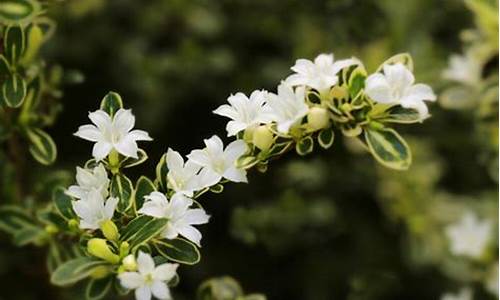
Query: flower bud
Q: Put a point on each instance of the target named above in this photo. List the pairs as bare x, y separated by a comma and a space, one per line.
109, 230
99, 248
262, 138
124, 248
318, 118
100, 272
338, 92
51, 229
129, 263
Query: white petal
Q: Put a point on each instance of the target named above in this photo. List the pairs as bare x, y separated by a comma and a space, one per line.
109, 207
378, 89
143, 293
302, 66
175, 162
214, 145
131, 280
226, 111
196, 216
165, 272
140, 135
398, 76
170, 231
101, 119
233, 127
145, 263
127, 147
76, 192
191, 233
89, 133
343, 63
420, 106
160, 290
123, 121
153, 209
236, 175
101, 150
422, 92
206, 178
296, 79
199, 157
235, 150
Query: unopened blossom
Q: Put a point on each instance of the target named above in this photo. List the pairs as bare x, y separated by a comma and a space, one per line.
93, 210
463, 68
397, 86
470, 236
219, 162
463, 294
321, 74
244, 112
88, 180
186, 177
180, 216
149, 280
112, 133
288, 107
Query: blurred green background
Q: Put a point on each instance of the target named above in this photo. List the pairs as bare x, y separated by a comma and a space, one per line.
333, 225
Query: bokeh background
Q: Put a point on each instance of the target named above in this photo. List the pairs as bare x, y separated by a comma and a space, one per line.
333, 225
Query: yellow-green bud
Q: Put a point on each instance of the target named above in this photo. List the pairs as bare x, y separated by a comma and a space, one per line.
35, 39
248, 134
129, 263
99, 248
263, 138
109, 230
51, 229
124, 248
114, 161
73, 225
318, 118
100, 272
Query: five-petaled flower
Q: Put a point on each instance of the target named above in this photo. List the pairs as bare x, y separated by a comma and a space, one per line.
219, 162
180, 216
396, 86
88, 180
470, 236
245, 112
93, 210
187, 177
149, 280
321, 74
112, 133
288, 107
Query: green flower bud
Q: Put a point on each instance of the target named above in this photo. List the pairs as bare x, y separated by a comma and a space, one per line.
51, 229
109, 230
318, 118
263, 138
99, 248
129, 263
248, 134
124, 248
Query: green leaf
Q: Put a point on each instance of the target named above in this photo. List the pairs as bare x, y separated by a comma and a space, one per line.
30, 234
128, 162
98, 288
4, 67
142, 229
351, 130
305, 146
42, 147
399, 114
217, 189
403, 58
34, 40
14, 219
388, 148
63, 204
14, 90
326, 138
219, 288
121, 187
279, 148
143, 187
75, 270
161, 173
357, 81
18, 11
13, 43
178, 250
111, 103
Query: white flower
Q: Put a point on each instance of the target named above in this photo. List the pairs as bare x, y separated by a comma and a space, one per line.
109, 134
287, 107
244, 112
469, 236
219, 162
396, 86
463, 68
320, 75
188, 177
464, 294
93, 210
177, 211
88, 180
491, 283
149, 279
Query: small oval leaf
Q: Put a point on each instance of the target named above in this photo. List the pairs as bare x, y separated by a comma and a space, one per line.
14, 90
74, 270
42, 147
121, 187
305, 146
111, 103
388, 148
178, 250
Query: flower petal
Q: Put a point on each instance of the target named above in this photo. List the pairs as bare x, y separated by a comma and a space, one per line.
101, 150
191, 233
127, 147
123, 121
196, 216
160, 290
89, 133
131, 280
235, 175
143, 293
145, 263
165, 272
101, 119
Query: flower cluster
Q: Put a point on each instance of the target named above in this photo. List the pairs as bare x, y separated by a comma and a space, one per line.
140, 232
